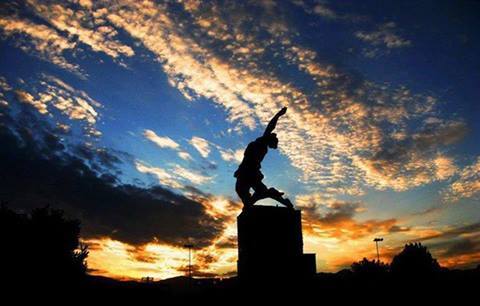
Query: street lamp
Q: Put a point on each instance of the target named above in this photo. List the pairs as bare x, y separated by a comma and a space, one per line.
377, 240
189, 247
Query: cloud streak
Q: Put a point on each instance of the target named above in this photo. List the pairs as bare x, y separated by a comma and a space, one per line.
201, 145
161, 141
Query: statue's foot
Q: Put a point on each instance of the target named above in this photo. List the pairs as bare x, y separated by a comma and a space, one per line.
275, 193
288, 203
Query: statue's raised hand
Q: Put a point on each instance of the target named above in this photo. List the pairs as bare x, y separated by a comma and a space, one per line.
283, 111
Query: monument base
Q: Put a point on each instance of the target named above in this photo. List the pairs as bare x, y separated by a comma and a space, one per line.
270, 244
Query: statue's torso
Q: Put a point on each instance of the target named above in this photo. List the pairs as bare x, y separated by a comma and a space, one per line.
253, 157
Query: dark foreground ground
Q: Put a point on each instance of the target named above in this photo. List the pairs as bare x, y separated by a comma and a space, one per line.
461, 287
454, 287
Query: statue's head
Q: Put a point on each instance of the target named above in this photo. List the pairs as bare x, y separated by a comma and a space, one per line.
272, 141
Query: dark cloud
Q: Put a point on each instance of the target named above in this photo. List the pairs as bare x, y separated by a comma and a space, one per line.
37, 170
398, 229
340, 211
227, 243
140, 253
462, 247
424, 141
455, 232
337, 219
459, 246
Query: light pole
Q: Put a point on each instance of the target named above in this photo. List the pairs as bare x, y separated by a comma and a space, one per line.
189, 247
377, 240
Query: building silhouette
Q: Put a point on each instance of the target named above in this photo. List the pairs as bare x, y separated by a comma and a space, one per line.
270, 245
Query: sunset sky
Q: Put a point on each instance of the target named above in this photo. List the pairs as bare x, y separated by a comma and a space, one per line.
133, 115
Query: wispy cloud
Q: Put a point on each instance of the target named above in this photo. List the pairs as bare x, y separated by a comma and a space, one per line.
65, 28
324, 10
191, 176
164, 177
176, 177
51, 96
231, 156
185, 155
385, 35
38, 40
201, 145
99, 35
161, 141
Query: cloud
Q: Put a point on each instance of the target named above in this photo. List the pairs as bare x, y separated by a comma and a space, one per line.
132, 230
385, 36
25, 97
38, 40
161, 141
185, 155
201, 145
445, 167
327, 218
38, 172
4, 89
164, 177
191, 176
100, 36
123, 261
231, 156
456, 246
51, 94
173, 177
462, 247
466, 185
65, 28
323, 10
413, 160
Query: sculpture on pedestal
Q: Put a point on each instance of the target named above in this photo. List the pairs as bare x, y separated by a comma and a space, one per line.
270, 242
248, 173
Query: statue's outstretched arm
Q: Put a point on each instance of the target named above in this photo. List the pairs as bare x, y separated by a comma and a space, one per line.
271, 125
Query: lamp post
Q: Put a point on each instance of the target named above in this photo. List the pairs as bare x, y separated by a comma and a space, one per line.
377, 240
189, 247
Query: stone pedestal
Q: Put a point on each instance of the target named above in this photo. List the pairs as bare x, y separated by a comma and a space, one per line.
270, 244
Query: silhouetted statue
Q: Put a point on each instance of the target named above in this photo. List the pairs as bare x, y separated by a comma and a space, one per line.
248, 173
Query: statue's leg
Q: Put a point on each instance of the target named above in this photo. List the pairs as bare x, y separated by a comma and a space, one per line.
261, 191
277, 196
243, 190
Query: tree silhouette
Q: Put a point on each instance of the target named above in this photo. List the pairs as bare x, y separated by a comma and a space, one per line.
42, 247
371, 268
414, 259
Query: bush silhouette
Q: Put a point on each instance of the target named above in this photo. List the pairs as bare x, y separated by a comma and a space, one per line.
414, 259
370, 268
42, 247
